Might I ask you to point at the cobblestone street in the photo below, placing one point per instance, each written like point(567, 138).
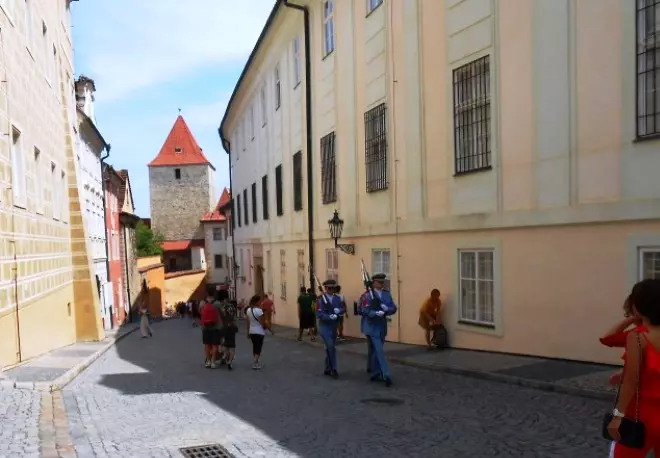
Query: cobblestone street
point(148, 398)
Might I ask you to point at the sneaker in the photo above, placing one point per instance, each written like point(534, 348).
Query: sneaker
point(213, 366)
point(229, 366)
point(207, 363)
point(256, 366)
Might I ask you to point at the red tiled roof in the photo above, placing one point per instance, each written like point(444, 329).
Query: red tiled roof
point(180, 148)
point(216, 215)
point(182, 245)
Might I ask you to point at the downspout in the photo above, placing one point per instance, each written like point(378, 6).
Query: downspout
point(105, 219)
point(308, 122)
point(226, 145)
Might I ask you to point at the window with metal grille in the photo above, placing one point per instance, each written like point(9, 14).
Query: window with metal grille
point(648, 68)
point(472, 149)
point(297, 181)
point(245, 208)
point(649, 262)
point(283, 274)
point(254, 203)
point(279, 202)
point(328, 169)
point(264, 197)
point(477, 286)
point(375, 148)
point(381, 264)
point(238, 210)
point(301, 268)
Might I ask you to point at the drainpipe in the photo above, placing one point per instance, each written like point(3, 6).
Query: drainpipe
point(308, 122)
point(105, 218)
point(226, 144)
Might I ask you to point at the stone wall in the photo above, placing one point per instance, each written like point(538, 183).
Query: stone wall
point(184, 286)
point(178, 205)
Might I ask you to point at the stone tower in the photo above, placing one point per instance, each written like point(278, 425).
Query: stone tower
point(182, 190)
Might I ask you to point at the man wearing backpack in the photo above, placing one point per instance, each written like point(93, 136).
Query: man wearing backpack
point(211, 323)
point(229, 328)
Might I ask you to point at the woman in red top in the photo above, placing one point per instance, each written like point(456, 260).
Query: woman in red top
point(645, 302)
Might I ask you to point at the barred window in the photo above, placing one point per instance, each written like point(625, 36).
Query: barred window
point(254, 202)
point(328, 169)
point(279, 203)
point(375, 148)
point(472, 148)
point(264, 197)
point(297, 181)
point(245, 208)
point(648, 68)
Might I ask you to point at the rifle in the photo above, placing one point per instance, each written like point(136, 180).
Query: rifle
point(326, 304)
point(374, 302)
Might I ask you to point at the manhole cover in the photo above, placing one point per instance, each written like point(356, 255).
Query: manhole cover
point(382, 401)
point(206, 451)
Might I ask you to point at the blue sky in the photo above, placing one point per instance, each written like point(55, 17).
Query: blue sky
point(149, 58)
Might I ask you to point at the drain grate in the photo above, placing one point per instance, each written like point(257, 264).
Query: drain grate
point(382, 401)
point(206, 451)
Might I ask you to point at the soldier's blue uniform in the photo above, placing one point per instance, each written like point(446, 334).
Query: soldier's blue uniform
point(374, 327)
point(328, 314)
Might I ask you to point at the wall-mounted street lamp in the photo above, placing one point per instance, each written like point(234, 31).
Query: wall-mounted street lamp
point(336, 225)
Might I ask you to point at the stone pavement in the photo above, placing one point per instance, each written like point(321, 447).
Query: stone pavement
point(149, 398)
point(576, 378)
point(53, 370)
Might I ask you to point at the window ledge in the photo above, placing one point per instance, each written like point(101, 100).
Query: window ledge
point(369, 13)
point(469, 172)
point(29, 50)
point(297, 85)
point(327, 55)
point(476, 324)
point(647, 138)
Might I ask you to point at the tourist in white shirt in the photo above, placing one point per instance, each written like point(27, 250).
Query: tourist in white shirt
point(256, 328)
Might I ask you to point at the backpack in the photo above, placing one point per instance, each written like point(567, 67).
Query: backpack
point(209, 315)
point(229, 313)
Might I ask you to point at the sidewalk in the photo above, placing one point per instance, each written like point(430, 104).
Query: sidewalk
point(54, 370)
point(576, 378)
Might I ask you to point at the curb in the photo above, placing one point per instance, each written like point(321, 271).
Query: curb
point(66, 378)
point(490, 376)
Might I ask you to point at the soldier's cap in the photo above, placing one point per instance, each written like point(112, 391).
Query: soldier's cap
point(379, 277)
point(329, 283)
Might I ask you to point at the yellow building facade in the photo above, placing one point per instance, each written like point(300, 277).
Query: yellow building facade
point(47, 297)
point(502, 151)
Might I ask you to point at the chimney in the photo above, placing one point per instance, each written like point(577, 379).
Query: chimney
point(85, 89)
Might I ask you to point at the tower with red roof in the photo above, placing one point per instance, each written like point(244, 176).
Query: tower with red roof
point(182, 190)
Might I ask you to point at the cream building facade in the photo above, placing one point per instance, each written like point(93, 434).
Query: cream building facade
point(504, 152)
point(45, 270)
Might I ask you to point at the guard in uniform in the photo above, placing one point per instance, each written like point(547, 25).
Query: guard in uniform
point(375, 312)
point(328, 309)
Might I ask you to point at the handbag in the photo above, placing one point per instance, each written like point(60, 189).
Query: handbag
point(632, 431)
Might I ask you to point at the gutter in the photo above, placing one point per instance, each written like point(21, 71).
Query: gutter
point(308, 125)
point(226, 145)
point(105, 217)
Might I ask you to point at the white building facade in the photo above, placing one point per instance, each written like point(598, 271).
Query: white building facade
point(90, 147)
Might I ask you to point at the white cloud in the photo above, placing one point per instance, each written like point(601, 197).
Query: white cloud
point(133, 44)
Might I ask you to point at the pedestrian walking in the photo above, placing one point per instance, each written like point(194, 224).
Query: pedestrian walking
point(268, 306)
point(229, 328)
point(256, 329)
point(375, 312)
point(306, 314)
point(211, 324)
point(328, 310)
point(145, 323)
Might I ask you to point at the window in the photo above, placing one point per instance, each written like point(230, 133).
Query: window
point(9, 7)
point(254, 203)
point(251, 122)
point(375, 148)
point(177, 174)
point(648, 68)
point(264, 106)
point(264, 197)
point(217, 261)
point(477, 287)
point(217, 233)
point(279, 202)
point(373, 4)
point(64, 189)
point(56, 73)
point(332, 264)
point(297, 181)
point(649, 263)
point(328, 169)
point(301, 268)
point(38, 184)
point(178, 150)
point(18, 184)
point(278, 88)
point(380, 264)
point(29, 26)
point(328, 27)
point(249, 266)
point(471, 84)
point(283, 274)
point(245, 207)
point(238, 209)
point(296, 61)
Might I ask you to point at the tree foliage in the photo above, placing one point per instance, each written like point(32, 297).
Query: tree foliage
point(149, 243)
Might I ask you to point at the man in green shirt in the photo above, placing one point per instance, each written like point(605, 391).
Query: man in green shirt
point(306, 313)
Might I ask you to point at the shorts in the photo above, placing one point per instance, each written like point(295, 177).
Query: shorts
point(340, 320)
point(211, 337)
point(230, 336)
